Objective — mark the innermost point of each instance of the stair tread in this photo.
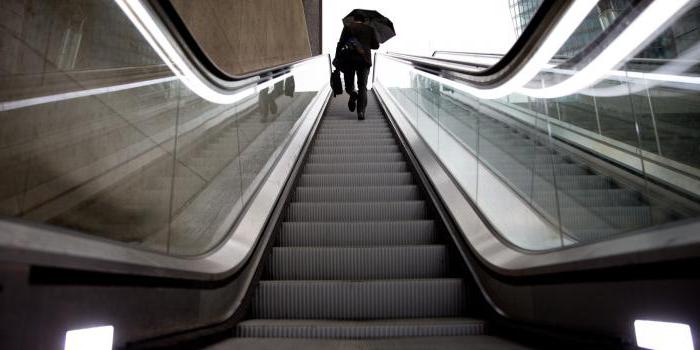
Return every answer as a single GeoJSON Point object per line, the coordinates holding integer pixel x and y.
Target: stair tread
{"type": "Point", "coordinates": [356, 193]}
{"type": "Point", "coordinates": [369, 299]}
{"type": "Point", "coordinates": [378, 262]}
{"type": "Point", "coordinates": [363, 323]}
{"type": "Point", "coordinates": [357, 233]}
{"type": "Point", "coordinates": [357, 211]}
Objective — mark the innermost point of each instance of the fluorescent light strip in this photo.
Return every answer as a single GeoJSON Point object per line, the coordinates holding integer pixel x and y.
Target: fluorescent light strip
{"type": "Point", "coordinates": [654, 17]}
{"type": "Point", "coordinates": [140, 17]}
{"type": "Point", "coordinates": [557, 37]}
{"type": "Point", "coordinates": [627, 75]}
{"type": "Point", "coordinates": [654, 76]}
{"type": "Point", "coordinates": [10, 105]}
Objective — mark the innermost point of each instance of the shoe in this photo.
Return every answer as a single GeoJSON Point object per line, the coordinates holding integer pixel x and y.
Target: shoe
{"type": "Point", "coordinates": [360, 115]}
{"type": "Point", "coordinates": [351, 103]}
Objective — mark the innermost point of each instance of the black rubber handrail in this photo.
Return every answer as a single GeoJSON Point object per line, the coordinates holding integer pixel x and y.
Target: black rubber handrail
{"type": "Point", "coordinates": [171, 20]}
{"type": "Point", "coordinates": [532, 37]}
{"type": "Point", "coordinates": [555, 59]}
{"type": "Point", "coordinates": [542, 22]}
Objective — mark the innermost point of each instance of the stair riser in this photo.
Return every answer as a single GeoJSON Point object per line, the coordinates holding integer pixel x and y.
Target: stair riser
{"type": "Point", "coordinates": [347, 300]}
{"type": "Point", "coordinates": [356, 168]}
{"type": "Point", "coordinates": [356, 194]}
{"type": "Point", "coordinates": [357, 234]}
{"type": "Point", "coordinates": [323, 136]}
{"type": "Point", "coordinates": [355, 158]}
{"type": "Point", "coordinates": [335, 263]}
{"type": "Point", "coordinates": [387, 179]}
{"type": "Point", "coordinates": [354, 150]}
{"type": "Point", "coordinates": [344, 212]}
{"type": "Point", "coordinates": [350, 143]}
{"type": "Point", "coordinates": [360, 331]}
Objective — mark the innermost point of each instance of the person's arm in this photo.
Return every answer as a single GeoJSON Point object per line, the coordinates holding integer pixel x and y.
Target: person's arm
{"type": "Point", "coordinates": [343, 36]}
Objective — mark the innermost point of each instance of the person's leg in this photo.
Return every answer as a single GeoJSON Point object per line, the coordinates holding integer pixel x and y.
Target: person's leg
{"type": "Point", "coordinates": [349, 77]}
{"type": "Point", "coordinates": [362, 75]}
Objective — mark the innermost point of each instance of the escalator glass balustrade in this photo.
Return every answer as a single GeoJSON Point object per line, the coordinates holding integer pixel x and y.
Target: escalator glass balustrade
{"type": "Point", "coordinates": [100, 138]}
{"type": "Point", "coordinates": [537, 160]}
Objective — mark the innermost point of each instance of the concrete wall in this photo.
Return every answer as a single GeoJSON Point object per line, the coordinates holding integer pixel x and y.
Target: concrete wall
{"type": "Point", "coordinates": [314, 20]}
{"type": "Point", "coordinates": [242, 36]}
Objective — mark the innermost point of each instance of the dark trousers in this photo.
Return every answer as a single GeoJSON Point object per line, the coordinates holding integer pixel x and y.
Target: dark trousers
{"type": "Point", "coordinates": [361, 95]}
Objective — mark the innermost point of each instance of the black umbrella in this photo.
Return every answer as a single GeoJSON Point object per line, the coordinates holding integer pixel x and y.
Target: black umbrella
{"type": "Point", "coordinates": [383, 27]}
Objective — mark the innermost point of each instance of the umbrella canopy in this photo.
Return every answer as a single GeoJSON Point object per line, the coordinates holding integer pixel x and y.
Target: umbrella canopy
{"type": "Point", "coordinates": [383, 27]}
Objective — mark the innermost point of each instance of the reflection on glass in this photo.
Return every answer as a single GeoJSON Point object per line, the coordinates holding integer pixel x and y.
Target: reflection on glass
{"type": "Point", "coordinates": [508, 155]}
{"type": "Point", "coordinates": [222, 157]}
{"type": "Point", "coordinates": [154, 166]}
{"type": "Point", "coordinates": [55, 46]}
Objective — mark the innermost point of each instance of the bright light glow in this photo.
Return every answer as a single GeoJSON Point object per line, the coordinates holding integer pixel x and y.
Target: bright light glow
{"type": "Point", "coordinates": [654, 17]}
{"type": "Point", "coordinates": [668, 73]}
{"type": "Point", "coordinates": [97, 338]}
{"type": "Point", "coordinates": [9, 105]}
{"type": "Point", "coordinates": [556, 38]}
{"type": "Point", "coordinates": [443, 25]}
{"type": "Point", "coordinates": [663, 335]}
{"type": "Point", "coordinates": [142, 20]}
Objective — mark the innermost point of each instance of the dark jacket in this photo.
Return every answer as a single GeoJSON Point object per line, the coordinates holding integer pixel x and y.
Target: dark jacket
{"type": "Point", "coordinates": [365, 35]}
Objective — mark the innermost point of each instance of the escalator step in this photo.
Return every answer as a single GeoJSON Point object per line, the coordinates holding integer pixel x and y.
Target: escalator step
{"type": "Point", "coordinates": [362, 179]}
{"type": "Point", "coordinates": [358, 300]}
{"type": "Point", "coordinates": [354, 149]}
{"type": "Point", "coordinates": [382, 135]}
{"type": "Point", "coordinates": [354, 142]}
{"type": "Point", "coordinates": [354, 131]}
{"type": "Point", "coordinates": [327, 125]}
{"type": "Point", "coordinates": [357, 233]}
{"type": "Point", "coordinates": [357, 263]}
{"type": "Point", "coordinates": [359, 211]}
{"type": "Point", "coordinates": [346, 168]}
{"type": "Point", "coordinates": [620, 217]}
{"type": "Point", "coordinates": [368, 117]}
{"type": "Point", "coordinates": [542, 169]}
{"type": "Point", "coordinates": [417, 327]}
{"type": "Point", "coordinates": [582, 182]}
{"type": "Point", "coordinates": [600, 198]}
{"type": "Point", "coordinates": [355, 158]}
{"type": "Point", "coordinates": [356, 193]}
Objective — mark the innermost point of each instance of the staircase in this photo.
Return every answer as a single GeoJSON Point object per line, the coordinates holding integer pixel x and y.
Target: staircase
{"type": "Point", "coordinates": [358, 255]}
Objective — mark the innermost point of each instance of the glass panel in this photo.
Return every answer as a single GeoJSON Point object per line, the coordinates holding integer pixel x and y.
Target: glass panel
{"type": "Point", "coordinates": [98, 164]}
{"type": "Point", "coordinates": [521, 12]}
{"type": "Point", "coordinates": [55, 46]}
{"type": "Point", "coordinates": [676, 122]}
{"type": "Point", "coordinates": [473, 143]}
{"type": "Point", "coordinates": [207, 182]}
{"type": "Point", "coordinates": [459, 129]}
{"type": "Point", "coordinates": [614, 158]}
{"type": "Point", "coordinates": [225, 152]}
{"type": "Point", "coordinates": [154, 166]}
{"type": "Point", "coordinates": [526, 165]}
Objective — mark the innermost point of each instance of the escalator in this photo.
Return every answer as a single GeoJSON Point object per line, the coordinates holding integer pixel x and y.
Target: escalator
{"type": "Point", "coordinates": [359, 254]}
{"type": "Point", "coordinates": [250, 209]}
{"type": "Point", "coordinates": [593, 205]}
